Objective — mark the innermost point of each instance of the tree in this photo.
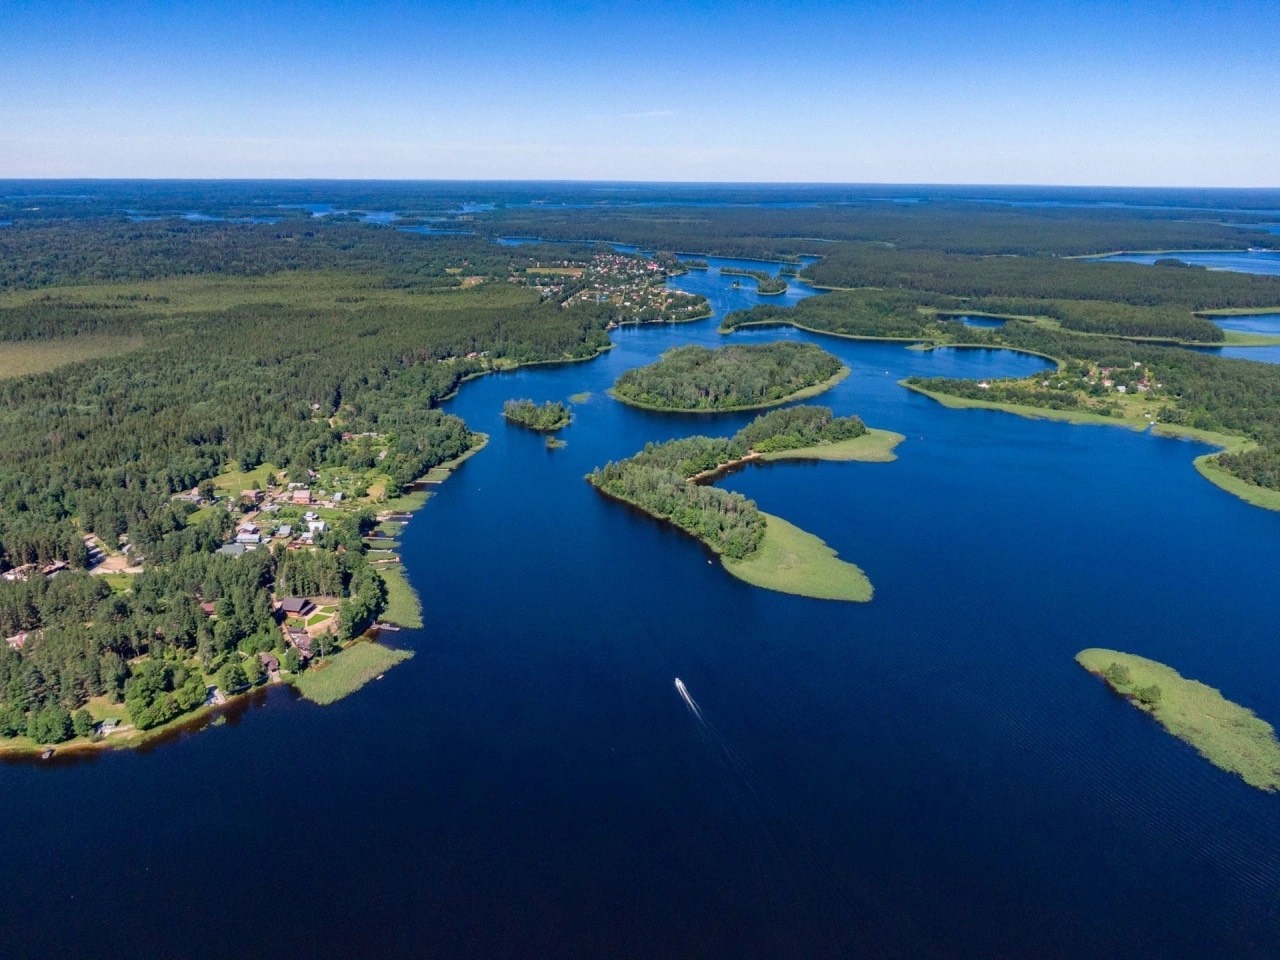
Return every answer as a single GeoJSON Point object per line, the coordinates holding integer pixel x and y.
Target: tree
{"type": "Point", "coordinates": [50, 724]}
{"type": "Point", "coordinates": [292, 660]}
{"type": "Point", "coordinates": [82, 723]}
{"type": "Point", "coordinates": [231, 677]}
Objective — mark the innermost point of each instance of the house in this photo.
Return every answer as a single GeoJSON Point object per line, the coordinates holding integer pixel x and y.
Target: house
{"type": "Point", "coordinates": [208, 609]}
{"type": "Point", "coordinates": [17, 641]}
{"type": "Point", "coordinates": [270, 662]}
{"type": "Point", "coordinates": [285, 530]}
{"type": "Point", "coordinates": [271, 508]}
{"type": "Point", "coordinates": [245, 536]}
{"type": "Point", "coordinates": [253, 496]}
{"type": "Point", "coordinates": [337, 497]}
{"type": "Point", "coordinates": [297, 607]}
{"type": "Point", "coordinates": [232, 549]}
{"type": "Point", "coordinates": [300, 640]}
{"type": "Point", "coordinates": [316, 526]}
{"type": "Point", "coordinates": [19, 574]}
{"type": "Point", "coordinates": [301, 495]}
{"type": "Point", "coordinates": [108, 726]}
{"type": "Point", "coordinates": [52, 569]}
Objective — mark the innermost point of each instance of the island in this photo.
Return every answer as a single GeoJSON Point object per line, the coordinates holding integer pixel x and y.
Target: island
{"type": "Point", "coordinates": [547, 417]}
{"type": "Point", "coordinates": [695, 379]}
{"type": "Point", "coordinates": [766, 283]}
{"type": "Point", "coordinates": [667, 481]}
{"type": "Point", "coordinates": [1226, 734]}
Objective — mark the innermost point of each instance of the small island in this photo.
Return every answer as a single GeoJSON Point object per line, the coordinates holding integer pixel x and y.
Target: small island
{"type": "Point", "coordinates": [1226, 734]}
{"type": "Point", "coordinates": [695, 379]}
{"type": "Point", "coordinates": [665, 480]}
{"type": "Point", "coordinates": [547, 417]}
{"type": "Point", "coordinates": [766, 283]}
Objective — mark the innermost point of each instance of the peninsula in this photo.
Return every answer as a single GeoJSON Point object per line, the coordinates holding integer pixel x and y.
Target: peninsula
{"type": "Point", "coordinates": [666, 481]}
{"type": "Point", "coordinates": [694, 379]}
{"type": "Point", "coordinates": [1226, 734]}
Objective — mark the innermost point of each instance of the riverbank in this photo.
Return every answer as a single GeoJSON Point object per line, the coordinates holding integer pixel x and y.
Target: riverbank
{"type": "Point", "coordinates": [1231, 737]}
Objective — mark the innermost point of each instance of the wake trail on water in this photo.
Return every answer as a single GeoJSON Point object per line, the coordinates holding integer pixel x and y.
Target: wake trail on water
{"type": "Point", "coordinates": [792, 870]}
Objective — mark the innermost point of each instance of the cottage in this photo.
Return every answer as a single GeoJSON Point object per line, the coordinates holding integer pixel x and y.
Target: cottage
{"type": "Point", "coordinates": [270, 662]}
{"type": "Point", "coordinates": [297, 607]}
{"type": "Point", "coordinates": [17, 641]}
{"type": "Point", "coordinates": [108, 726]}
{"type": "Point", "coordinates": [52, 569]}
{"type": "Point", "coordinates": [285, 530]}
{"type": "Point", "coordinates": [244, 536]}
{"type": "Point", "coordinates": [300, 640]}
{"type": "Point", "coordinates": [301, 495]}
{"type": "Point", "coordinates": [208, 609]}
{"type": "Point", "coordinates": [316, 526]}
{"type": "Point", "coordinates": [232, 549]}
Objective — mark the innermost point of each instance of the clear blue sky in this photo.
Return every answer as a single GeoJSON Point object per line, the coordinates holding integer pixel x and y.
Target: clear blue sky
{"type": "Point", "coordinates": [955, 92]}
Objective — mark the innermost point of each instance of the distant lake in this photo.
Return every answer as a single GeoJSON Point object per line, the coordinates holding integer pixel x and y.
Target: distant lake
{"type": "Point", "coordinates": [1242, 261]}
{"type": "Point", "coordinates": [926, 775]}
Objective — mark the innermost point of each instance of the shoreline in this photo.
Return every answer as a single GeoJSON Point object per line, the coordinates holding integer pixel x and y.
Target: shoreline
{"type": "Point", "coordinates": [1205, 464]}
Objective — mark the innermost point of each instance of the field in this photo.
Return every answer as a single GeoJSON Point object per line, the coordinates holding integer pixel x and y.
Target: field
{"type": "Point", "coordinates": [1226, 734]}
{"type": "Point", "coordinates": [792, 561]}
{"type": "Point", "coordinates": [403, 606]}
{"type": "Point", "coordinates": [342, 674]}
{"type": "Point", "coordinates": [21, 357]}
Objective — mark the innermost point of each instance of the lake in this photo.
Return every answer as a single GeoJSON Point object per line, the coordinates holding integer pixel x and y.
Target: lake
{"type": "Point", "coordinates": [1244, 261]}
{"type": "Point", "coordinates": [929, 774]}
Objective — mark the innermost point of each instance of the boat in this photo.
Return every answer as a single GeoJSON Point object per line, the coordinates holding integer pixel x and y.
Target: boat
{"type": "Point", "coordinates": [48, 752]}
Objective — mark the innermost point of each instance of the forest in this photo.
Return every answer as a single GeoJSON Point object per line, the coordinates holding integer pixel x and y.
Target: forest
{"type": "Point", "coordinates": [766, 283]}
{"type": "Point", "coordinates": [659, 479]}
{"type": "Point", "coordinates": [546, 417]}
{"type": "Point", "coordinates": [694, 378]}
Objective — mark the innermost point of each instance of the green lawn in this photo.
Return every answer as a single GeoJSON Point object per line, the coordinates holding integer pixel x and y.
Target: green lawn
{"type": "Point", "coordinates": [406, 502]}
{"type": "Point", "coordinates": [1226, 734]}
{"type": "Point", "coordinates": [792, 561]}
{"type": "Point", "coordinates": [403, 606]}
{"type": "Point", "coordinates": [235, 482]}
{"type": "Point", "coordinates": [329, 680]}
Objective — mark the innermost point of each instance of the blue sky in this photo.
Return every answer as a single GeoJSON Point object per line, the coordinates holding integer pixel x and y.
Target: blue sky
{"type": "Point", "coordinates": [944, 92]}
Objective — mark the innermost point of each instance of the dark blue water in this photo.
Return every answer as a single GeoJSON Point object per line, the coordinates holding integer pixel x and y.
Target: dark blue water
{"type": "Point", "coordinates": [927, 775]}
{"type": "Point", "coordinates": [1244, 261]}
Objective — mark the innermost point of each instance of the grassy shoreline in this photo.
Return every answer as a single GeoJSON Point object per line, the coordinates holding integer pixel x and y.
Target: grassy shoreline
{"type": "Point", "coordinates": [804, 394]}
{"type": "Point", "coordinates": [791, 560]}
{"type": "Point", "coordinates": [1231, 737]}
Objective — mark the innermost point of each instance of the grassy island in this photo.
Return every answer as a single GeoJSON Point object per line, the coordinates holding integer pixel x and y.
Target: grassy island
{"type": "Point", "coordinates": [766, 283]}
{"type": "Point", "coordinates": [1226, 734]}
{"type": "Point", "coordinates": [663, 480]}
{"type": "Point", "coordinates": [547, 417]}
{"type": "Point", "coordinates": [697, 380]}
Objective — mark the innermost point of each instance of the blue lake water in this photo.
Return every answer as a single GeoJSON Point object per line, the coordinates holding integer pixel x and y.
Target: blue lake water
{"type": "Point", "coordinates": [1244, 261]}
{"type": "Point", "coordinates": [927, 775]}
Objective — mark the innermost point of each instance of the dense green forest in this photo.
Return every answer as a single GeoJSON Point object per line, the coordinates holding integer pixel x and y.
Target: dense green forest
{"type": "Point", "coordinates": [658, 479]}
{"type": "Point", "coordinates": [548, 416]}
{"type": "Point", "coordinates": [939, 225]}
{"type": "Point", "coordinates": [238, 367]}
{"type": "Point", "coordinates": [694, 378]}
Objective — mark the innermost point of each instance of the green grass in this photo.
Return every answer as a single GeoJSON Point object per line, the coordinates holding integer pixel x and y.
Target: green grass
{"type": "Point", "coordinates": [342, 674]}
{"type": "Point", "coordinates": [406, 502]}
{"type": "Point", "coordinates": [1238, 338]}
{"type": "Point", "coordinates": [235, 482]}
{"type": "Point", "coordinates": [1025, 410]}
{"type": "Point", "coordinates": [790, 560]}
{"type": "Point", "coordinates": [403, 606]}
{"type": "Point", "coordinates": [21, 357]}
{"type": "Point", "coordinates": [119, 582]}
{"type": "Point", "coordinates": [1226, 734]}
{"type": "Point", "coordinates": [580, 397]}
{"type": "Point", "coordinates": [874, 446]}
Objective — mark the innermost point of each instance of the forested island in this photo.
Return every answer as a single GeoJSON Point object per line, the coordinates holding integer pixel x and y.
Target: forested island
{"type": "Point", "coordinates": [766, 283]}
{"type": "Point", "coordinates": [1226, 734]}
{"type": "Point", "coordinates": [547, 417]}
{"type": "Point", "coordinates": [694, 379]}
{"type": "Point", "coordinates": [666, 481]}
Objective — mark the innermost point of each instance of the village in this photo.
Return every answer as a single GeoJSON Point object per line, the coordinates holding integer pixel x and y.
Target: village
{"type": "Point", "coordinates": [633, 286]}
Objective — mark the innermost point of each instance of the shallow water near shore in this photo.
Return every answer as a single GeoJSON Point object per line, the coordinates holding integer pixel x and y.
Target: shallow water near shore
{"type": "Point", "coordinates": [929, 774]}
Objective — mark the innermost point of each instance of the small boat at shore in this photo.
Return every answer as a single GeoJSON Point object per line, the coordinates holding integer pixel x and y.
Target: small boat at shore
{"type": "Point", "coordinates": [48, 752]}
